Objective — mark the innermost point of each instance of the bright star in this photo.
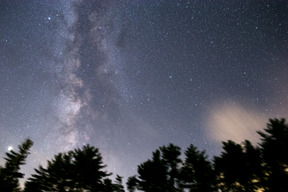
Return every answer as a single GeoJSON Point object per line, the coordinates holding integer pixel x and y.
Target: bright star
{"type": "Point", "coordinates": [10, 148]}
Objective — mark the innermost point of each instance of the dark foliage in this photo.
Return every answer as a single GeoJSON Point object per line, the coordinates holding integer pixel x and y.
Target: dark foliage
{"type": "Point", "coordinates": [239, 167]}
{"type": "Point", "coordinates": [78, 170]}
{"type": "Point", "coordinates": [197, 173]}
{"type": "Point", "coordinates": [10, 173]}
{"type": "Point", "coordinates": [274, 148]}
{"type": "Point", "coordinates": [132, 183]}
{"type": "Point", "coordinates": [161, 173]}
{"type": "Point", "coordinates": [166, 172]}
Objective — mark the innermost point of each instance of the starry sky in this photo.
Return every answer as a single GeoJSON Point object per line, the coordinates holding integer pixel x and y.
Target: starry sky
{"type": "Point", "coordinates": [130, 76]}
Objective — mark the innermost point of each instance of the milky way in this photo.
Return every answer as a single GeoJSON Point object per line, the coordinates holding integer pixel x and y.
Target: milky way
{"type": "Point", "coordinates": [130, 76]}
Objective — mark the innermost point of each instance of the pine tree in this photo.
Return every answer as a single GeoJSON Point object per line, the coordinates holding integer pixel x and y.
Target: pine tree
{"type": "Point", "coordinates": [10, 173]}
{"type": "Point", "coordinates": [77, 170]}
{"type": "Point", "coordinates": [197, 173]}
{"type": "Point", "coordinates": [274, 148]}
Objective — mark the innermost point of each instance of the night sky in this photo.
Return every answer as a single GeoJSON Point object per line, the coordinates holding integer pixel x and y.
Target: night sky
{"type": "Point", "coordinates": [130, 76]}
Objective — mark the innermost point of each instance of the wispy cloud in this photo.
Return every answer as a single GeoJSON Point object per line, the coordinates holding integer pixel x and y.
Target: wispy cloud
{"type": "Point", "coordinates": [231, 121]}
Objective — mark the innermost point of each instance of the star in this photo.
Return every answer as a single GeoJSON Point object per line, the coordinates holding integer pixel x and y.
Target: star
{"type": "Point", "coordinates": [10, 148]}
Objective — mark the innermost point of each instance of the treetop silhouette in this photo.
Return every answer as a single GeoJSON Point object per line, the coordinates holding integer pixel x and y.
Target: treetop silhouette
{"type": "Point", "coordinates": [10, 173]}
{"type": "Point", "coordinates": [239, 167]}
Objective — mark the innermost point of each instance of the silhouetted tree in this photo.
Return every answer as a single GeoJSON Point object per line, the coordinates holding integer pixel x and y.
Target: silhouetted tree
{"type": "Point", "coordinates": [197, 172]}
{"type": "Point", "coordinates": [159, 174]}
{"type": "Point", "coordinates": [132, 183]}
{"type": "Point", "coordinates": [10, 173]}
{"type": "Point", "coordinates": [171, 159]}
{"type": "Point", "coordinates": [78, 170]}
{"type": "Point", "coordinates": [152, 174]}
{"type": "Point", "coordinates": [238, 168]}
{"type": "Point", "coordinates": [114, 187]}
{"type": "Point", "coordinates": [274, 147]}
{"type": "Point", "coordinates": [119, 184]}
{"type": "Point", "coordinates": [254, 167]}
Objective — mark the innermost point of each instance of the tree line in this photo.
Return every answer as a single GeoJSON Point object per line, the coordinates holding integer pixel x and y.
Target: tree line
{"type": "Point", "coordinates": [240, 167]}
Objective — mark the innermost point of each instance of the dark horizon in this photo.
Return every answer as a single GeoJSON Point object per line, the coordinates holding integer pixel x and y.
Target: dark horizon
{"type": "Point", "coordinates": [240, 167]}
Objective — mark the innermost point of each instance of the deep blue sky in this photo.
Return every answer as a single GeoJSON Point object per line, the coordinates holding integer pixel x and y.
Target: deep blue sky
{"type": "Point", "coordinates": [130, 76]}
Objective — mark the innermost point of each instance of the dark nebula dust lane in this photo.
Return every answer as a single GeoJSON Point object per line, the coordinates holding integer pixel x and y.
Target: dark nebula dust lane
{"type": "Point", "coordinates": [130, 76]}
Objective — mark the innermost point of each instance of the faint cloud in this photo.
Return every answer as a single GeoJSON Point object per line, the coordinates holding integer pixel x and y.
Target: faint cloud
{"type": "Point", "coordinates": [236, 122]}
